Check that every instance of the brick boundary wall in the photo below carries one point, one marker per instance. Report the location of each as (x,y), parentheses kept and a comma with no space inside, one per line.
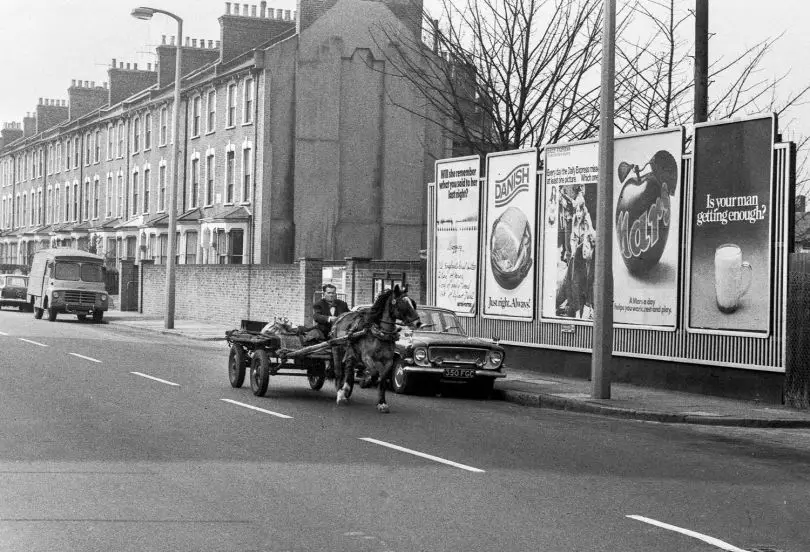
(232,293)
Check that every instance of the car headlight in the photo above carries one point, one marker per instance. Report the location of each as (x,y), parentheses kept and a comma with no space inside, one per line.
(495,358)
(420,355)
(57,295)
(103,296)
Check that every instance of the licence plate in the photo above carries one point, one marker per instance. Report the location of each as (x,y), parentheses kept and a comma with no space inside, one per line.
(459,372)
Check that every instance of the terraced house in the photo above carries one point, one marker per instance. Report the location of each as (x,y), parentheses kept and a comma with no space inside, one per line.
(291,147)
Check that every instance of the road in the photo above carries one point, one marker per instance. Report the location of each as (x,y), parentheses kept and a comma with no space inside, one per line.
(95,454)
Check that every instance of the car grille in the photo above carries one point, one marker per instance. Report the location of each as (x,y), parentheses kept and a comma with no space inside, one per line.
(80,297)
(458,355)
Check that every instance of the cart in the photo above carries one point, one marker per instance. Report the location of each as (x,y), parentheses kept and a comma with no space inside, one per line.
(268,355)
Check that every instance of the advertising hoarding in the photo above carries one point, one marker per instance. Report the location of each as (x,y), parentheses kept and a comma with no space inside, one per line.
(646,228)
(569,237)
(510,235)
(458,203)
(730,246)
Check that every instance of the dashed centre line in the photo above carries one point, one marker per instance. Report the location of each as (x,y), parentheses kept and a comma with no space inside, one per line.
(32,342)
(694,534)
(3,333)
(156,379)
(256,408)
(421,454)
(85,357)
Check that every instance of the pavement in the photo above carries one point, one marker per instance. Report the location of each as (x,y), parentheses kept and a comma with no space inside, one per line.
(529,387)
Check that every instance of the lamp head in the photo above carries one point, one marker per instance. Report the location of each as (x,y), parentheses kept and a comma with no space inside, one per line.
(143,13)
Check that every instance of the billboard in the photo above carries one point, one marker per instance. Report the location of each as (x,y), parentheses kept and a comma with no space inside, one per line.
(730,246)
(646,228)
(571,172)
(458,205)
(509,246)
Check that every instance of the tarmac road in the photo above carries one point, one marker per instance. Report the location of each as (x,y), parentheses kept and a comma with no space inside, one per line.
(114,439)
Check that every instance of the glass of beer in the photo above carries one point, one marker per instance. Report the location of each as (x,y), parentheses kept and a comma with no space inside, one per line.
(732,277)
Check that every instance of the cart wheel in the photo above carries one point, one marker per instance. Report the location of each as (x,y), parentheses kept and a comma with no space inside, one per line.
(236,366)
(315,381)
(260,372)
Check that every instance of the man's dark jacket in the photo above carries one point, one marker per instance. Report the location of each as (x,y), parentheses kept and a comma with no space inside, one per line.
(322,310)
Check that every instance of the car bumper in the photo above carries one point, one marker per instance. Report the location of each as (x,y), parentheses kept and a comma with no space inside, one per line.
(439,372)
(9,302)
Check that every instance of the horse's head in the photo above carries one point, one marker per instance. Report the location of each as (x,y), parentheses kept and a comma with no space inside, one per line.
(403,307)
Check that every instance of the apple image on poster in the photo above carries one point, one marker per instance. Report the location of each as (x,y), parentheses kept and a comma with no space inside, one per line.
(643,210)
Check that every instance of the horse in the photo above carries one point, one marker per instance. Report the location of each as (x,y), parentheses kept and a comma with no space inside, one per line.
(375,349)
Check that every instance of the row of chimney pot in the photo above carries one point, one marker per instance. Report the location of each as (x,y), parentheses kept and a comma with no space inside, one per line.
(265,12)
(133,68)
(192,42)
(87,84)
(48,101)
(279,14)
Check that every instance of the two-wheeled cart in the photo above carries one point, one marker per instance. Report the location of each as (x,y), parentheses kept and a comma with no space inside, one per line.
(268,355)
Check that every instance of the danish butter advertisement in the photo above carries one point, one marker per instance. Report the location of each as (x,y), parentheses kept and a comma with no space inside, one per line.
(511,202)
(647,211)
(730,282)
(457,210)
(569,238)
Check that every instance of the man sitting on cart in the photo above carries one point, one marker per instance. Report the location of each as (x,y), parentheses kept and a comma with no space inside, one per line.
(327,310)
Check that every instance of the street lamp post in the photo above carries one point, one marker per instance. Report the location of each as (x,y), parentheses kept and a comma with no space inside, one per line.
(147,13)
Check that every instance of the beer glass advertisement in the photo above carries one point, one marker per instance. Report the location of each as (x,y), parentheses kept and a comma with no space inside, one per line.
(511,201)
(730,222)
(569,237)
(457,211)
(647,210)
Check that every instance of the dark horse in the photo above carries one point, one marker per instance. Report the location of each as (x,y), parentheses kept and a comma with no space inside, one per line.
(375,348)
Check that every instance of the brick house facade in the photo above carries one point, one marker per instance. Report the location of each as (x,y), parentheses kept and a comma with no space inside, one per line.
(291,147)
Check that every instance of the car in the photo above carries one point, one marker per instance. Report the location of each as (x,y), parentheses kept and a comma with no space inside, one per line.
(13,288)
(440,350)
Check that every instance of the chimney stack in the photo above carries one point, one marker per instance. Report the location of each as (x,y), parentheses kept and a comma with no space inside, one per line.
(262,8)
(50,113)
(29,125)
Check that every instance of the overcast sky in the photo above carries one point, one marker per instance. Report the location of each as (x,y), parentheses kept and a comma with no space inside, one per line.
(47,43)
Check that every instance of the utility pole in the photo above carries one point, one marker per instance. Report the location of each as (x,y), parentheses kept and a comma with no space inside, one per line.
(701,60)
(603,256)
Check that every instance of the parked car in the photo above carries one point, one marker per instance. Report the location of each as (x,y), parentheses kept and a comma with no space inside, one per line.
(440,350)
(12,291)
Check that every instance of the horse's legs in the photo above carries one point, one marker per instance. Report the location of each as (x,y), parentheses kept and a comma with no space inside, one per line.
(385,375)
(342,371)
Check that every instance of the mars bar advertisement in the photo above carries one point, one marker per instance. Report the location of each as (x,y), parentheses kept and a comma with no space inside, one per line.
(569,218)
(730,277)
(457,211)
(647,209)
(511,203)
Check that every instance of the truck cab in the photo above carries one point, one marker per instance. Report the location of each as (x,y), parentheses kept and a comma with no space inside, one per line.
(67,281)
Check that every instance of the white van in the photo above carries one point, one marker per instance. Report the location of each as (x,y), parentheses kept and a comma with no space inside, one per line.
(69,281)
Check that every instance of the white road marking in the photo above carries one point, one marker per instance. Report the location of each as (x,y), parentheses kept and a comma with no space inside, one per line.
(85,357)
(156,379)
(257,409)
(33,342)
(3,333)
(705,538)
(421,454)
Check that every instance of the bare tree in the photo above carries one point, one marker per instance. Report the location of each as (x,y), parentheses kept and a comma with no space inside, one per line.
(504,74)
(655,83)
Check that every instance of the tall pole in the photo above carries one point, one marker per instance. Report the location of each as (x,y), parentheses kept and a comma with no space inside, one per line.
(701,60)
(603,256)
(168,321)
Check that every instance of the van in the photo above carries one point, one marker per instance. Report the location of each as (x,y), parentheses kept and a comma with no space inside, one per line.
(69,281)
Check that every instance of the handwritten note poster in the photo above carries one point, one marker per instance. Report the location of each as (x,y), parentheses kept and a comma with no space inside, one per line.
(457,212)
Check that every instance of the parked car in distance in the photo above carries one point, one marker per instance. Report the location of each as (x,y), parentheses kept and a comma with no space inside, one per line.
(440,350)
(13,288)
